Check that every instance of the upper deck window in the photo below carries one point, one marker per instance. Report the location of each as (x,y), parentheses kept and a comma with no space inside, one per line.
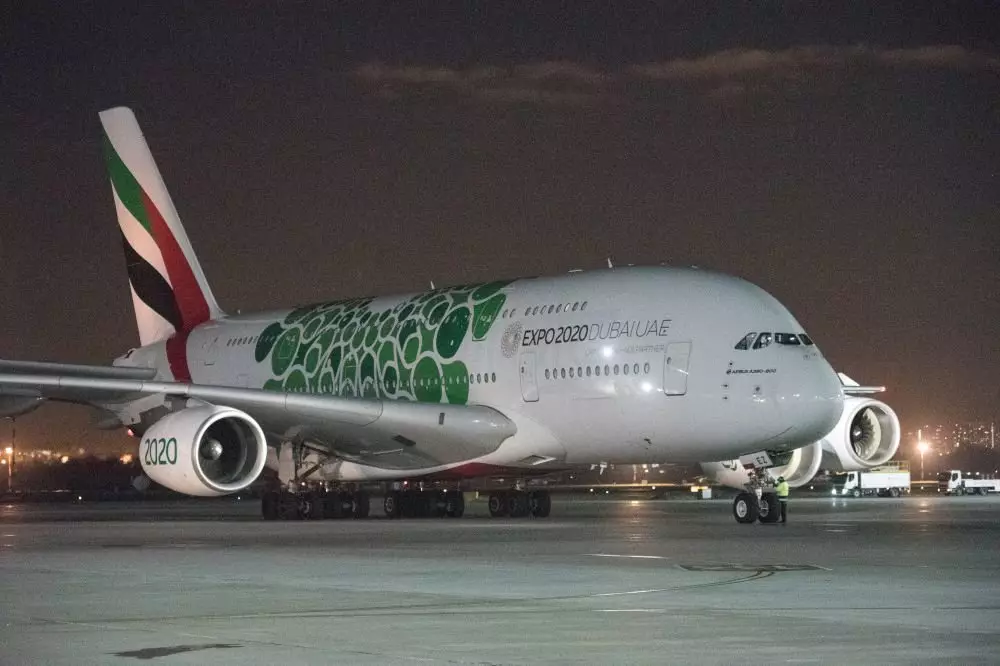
(762,341)
(790,339)
(746,341)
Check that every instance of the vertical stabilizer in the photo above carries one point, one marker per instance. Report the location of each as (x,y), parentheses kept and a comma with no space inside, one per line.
(169,289)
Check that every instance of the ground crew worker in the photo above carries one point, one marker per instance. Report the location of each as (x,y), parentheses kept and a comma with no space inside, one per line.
(782,490)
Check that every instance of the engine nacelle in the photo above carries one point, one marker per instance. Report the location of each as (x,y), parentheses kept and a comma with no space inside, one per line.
(205,451)
(798,471)
(866,436)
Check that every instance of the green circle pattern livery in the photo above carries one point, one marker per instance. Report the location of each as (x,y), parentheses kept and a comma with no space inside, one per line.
(407,352)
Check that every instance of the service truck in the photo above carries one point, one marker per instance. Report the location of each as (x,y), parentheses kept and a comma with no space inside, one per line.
(890,480)
(957,482)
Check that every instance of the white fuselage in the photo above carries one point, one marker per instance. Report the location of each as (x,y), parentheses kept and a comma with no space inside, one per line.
(621,366)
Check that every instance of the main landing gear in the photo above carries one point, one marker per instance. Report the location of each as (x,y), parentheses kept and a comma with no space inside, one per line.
(424,504)
(314,504)
(520,503)
(748,508)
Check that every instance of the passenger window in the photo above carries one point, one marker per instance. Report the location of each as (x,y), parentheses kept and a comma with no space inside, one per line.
(513,312)
(806,340)
(597,371)
(571,373)
(588,370)
(625,369)
(559,308)
(479,378)
(493,377)
(547,373)
(576,306)
(504,315)
(635,368)
(579,371)
(746,341)
(606,369)
(762,341)
(616,369)
(562,373)
(583,306)
(645,368)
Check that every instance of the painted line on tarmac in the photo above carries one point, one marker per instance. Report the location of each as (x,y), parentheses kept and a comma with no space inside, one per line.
(630,610)
(631,557)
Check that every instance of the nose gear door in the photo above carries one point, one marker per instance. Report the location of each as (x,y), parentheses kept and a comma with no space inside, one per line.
(675,368)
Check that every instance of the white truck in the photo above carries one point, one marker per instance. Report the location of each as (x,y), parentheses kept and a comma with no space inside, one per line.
(957,482)
(885,481)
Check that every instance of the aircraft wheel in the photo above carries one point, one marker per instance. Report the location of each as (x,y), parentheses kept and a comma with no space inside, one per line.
(455,505)
(361,505)
(288,506)
(770,508)
(269,505)
(498,504)
(392,505)
(745,508)
(541,503)
(310,506)
(517,504)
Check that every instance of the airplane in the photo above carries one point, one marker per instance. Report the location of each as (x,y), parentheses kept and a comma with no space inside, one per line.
(424,395)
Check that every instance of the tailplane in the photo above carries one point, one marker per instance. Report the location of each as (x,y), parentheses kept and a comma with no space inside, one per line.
(169,289)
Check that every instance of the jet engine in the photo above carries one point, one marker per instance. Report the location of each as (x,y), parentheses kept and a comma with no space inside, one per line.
(205,451)
(16,405)
(866,436)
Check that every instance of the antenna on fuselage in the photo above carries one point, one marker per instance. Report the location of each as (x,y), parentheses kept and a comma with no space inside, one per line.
(432,285)
(610,265)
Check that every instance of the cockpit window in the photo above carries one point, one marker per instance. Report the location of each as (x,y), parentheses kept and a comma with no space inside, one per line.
(762,341)
(806,340)
(746,341)
(787,339)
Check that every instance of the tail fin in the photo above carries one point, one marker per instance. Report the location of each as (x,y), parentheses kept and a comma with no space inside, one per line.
(169,289)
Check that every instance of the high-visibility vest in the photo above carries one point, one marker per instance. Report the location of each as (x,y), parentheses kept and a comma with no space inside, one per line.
(782,489)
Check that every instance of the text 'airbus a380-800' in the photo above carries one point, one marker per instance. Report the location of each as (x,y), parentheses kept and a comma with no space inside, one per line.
(453,387)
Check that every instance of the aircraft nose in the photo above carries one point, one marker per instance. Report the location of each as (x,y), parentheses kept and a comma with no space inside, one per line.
(811,398)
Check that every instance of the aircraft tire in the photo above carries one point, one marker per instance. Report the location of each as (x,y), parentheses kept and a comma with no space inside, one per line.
(770,509)
(541,503)
(517,504)
(392,506)
(360,505)
(455,505)
(745,508)
(269,505)
(498,505)
(310,506)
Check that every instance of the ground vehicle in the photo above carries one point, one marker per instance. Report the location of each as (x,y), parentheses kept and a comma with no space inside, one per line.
(890,480)
(957,482)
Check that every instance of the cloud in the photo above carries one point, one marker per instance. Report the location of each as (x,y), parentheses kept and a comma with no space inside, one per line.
(798,61)
(725,74)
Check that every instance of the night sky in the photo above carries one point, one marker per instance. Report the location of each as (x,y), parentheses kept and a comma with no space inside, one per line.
(846,162)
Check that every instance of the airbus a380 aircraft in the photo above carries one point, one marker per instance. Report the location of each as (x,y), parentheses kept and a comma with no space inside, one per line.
(513,378)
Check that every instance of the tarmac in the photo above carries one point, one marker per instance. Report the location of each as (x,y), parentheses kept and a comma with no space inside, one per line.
(602,581)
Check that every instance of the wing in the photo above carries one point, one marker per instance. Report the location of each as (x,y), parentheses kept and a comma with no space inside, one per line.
(390,434)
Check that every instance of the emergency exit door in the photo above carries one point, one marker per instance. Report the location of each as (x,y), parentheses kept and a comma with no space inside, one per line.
(675,368)
(529,382)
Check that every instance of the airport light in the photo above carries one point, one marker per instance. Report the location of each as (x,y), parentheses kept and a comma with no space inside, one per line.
(10,469)
(922,447)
